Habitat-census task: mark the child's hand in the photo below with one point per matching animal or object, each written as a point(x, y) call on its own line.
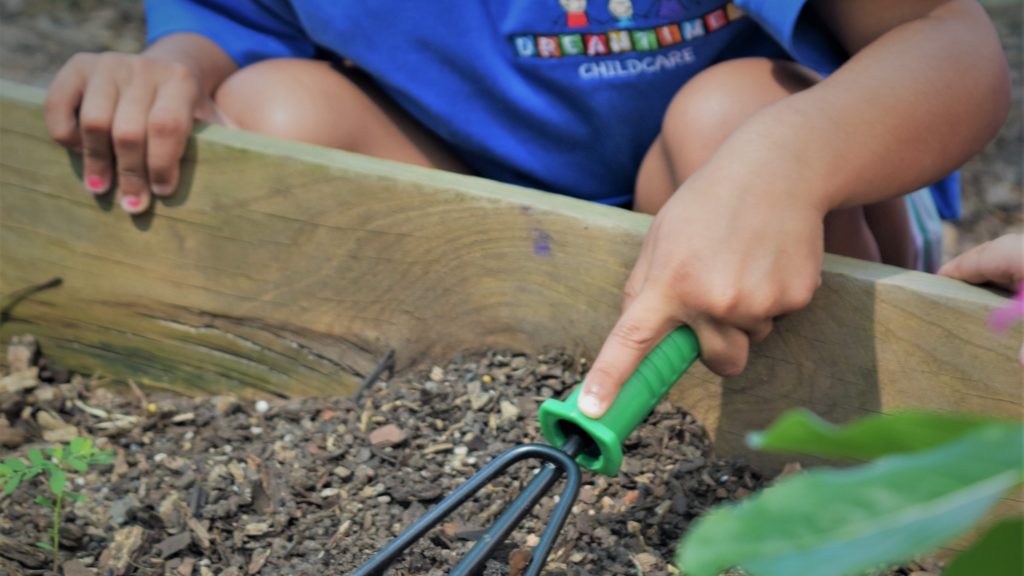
point(741, 241)
point(999, 261)
point(132, 114)
point(125, 113)
point(725, 261)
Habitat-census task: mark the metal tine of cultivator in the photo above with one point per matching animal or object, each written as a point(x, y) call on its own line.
point(556, 463)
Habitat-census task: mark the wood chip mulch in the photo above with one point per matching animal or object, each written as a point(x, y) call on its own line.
point(223, 486)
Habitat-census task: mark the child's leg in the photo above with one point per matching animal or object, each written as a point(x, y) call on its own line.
point(707, 110)
point(311, 101)
point(890, 222)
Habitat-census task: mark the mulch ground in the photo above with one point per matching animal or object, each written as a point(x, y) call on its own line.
point(294, 487)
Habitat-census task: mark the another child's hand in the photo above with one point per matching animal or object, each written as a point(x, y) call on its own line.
point(125, 113)
point(999, 261)
point(723, 261)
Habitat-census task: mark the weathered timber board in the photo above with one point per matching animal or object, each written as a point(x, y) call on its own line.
point(291, 269)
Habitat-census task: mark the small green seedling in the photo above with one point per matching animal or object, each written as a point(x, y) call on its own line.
point(58, 464)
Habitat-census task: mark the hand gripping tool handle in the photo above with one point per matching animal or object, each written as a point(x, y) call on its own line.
point(603, 437)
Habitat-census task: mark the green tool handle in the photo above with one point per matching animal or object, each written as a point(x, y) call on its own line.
point(655, 376)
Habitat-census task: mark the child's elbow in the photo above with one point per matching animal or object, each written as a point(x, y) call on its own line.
point(1001, 97)
point(992, 77)
point(980, 76)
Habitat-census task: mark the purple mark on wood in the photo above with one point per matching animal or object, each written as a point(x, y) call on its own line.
point(541, 242)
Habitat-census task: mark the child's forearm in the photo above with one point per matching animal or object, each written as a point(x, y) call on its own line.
point(740, 242)
point(204, 58)
point(908, 108)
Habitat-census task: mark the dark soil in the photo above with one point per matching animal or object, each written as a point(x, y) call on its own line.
point(293, 487)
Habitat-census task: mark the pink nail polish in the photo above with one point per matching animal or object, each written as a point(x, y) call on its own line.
point(131, 203)
point(95, 184)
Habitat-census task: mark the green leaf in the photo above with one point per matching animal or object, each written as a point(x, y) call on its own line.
point(5, 470)
point(44, 545)
point(78, 445)
point(11, 484)
point(837, 522)
point(15, 465)
point(44, 501)
point(58, 480)
point(103, 457)
point(999, 552)
point(74, 496)
point(35, 457)
point(803, 432)
point(78, 464)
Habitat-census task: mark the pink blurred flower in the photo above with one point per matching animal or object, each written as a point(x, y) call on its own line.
point(1006, 316)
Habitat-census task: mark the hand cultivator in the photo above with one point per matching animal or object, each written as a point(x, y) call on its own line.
point(577, 441)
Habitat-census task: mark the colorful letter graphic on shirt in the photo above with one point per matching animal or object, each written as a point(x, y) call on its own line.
point(668, 35)
point(692, 28)
point(715, 20)
point(645, 40)
point(572, 44)
point(547, 47)
point(525, 46)
point(619, 41)
point(625, 37)
point(734, 12)
point(597, 44)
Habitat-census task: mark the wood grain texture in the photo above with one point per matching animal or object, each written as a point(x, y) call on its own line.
point(282, 268)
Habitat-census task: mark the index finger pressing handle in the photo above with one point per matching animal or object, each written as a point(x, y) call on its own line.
point(655, 376)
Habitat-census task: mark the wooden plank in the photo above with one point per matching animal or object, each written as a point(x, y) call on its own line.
point(874, 339)
point(291, 269)
point(328, 259)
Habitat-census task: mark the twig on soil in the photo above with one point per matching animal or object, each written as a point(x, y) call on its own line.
point(18, 296)
point(138, 394)
point(386, 364)
point(380, 454)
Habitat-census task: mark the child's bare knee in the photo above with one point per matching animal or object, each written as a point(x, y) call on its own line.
point(719, 99)
point(273, 97)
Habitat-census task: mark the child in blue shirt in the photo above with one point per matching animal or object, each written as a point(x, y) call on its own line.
point(759, 133)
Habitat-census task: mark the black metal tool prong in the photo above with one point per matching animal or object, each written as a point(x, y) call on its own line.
point(556, 462)
point(484, 548)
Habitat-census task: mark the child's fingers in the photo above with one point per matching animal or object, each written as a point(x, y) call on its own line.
point(95, 118)
point(724, 348)
point(170, 120)
point(62, 101)
point(1000, 261)
point(761, 330)
point(129, 137)
point(963, 267)
point(638, 276)
point(637, 332)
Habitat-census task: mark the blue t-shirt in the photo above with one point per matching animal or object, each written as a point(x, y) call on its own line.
point(561, 95)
